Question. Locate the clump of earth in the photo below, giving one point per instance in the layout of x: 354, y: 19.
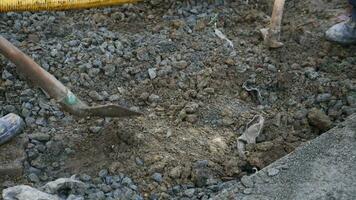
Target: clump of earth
x: 165, y: 59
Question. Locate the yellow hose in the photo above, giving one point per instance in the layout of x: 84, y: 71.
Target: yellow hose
x: 37, y: 5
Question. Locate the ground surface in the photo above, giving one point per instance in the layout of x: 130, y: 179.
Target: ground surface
x: 166, y: 61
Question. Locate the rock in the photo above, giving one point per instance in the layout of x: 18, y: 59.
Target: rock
x: 39, y: 162
x: 114, y: 97
x: 247, y: 191
x: 33, y: 178
x: 191, y: 118
x: 65, y: 184
x: 75, y: 197
x: 181, y: 64
x: 157, y: 177
x: 272, y: 171
x: 103, y: 173
x: 319, y: 119
x: 139, y: 161
x: 142, y: 54
x: 201, y: 173
x: 96, y: 196
x: 189, y: 192
x: 323, y: 97
x: 191, y: 108
x: 272, y: 68
x: 301, y: 114
x: 351, y: 100
x: 95, y: 129
x: 10, y: 108
x: 123, y: 193
x: 264, y: 146
x: 42, y: 137
x: 209, y: 90
x: 154, y: 98
x: 126, y: 181
x: 85, y: 177
x: 152, y: 73
x: 12, y: 156
x: 6, y: 75
x: 144, y: 96
x: 217, y: 145
x: 109, y: 70
x: 55, y: 147
x: 96, y: 96
x: 227, y: 121
x: 246, y: 181
x: 175, y: 172
x: 311, y: 73
x: 348, y: 110
x: 24, y: 192
x: 105, y: 188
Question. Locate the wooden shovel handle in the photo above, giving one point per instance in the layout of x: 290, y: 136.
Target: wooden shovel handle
x: 277, y: 14
x: 32, y: 70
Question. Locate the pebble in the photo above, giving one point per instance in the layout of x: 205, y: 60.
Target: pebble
x: 96, y: 96
x: 114, y: 97
x: 152, y: 73
x: 139, y: 161
x: 272, y: 68
x: 272, y: 171
x: 311, y: 73
x: 75, y: 197
x: 351, y: 100
x: 42, y: 137
x: 157, y: 177
x: 95, y: 129
x: 191, y: 118
x: 175, y: 172
x: 85, y: 177
x: 33, y: 178
x: 103, y: 173
x: 191, y: 107
x: 319, y: 119
x: 189, y: 192
x: 153, y: 98
x: 106, y: 188
x: 246, y: 181
x: 323, y: 97
x: 126, y: 181
x: 97, y: 196
x: 247, y: 191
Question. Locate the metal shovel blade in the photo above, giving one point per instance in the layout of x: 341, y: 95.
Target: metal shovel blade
x: 110, y: 110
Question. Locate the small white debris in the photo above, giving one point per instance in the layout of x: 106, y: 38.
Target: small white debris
x: 254, y: 128
x: 223, y: 37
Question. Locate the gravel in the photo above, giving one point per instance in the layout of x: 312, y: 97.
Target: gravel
x: 177, y: 70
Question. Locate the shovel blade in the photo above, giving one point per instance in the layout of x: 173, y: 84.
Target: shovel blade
x: 110, y: 111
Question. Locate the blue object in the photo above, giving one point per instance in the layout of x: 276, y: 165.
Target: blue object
x: 10, y: 126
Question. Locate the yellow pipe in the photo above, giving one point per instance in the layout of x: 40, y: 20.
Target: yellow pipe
x: 38, y: 5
